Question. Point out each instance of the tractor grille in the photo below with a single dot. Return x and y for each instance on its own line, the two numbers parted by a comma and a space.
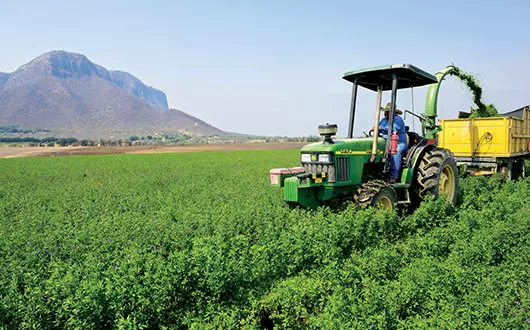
317, 168
343, 169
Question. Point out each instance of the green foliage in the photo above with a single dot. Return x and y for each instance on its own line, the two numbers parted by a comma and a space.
482, 110
66, 141
201, 241
312, 138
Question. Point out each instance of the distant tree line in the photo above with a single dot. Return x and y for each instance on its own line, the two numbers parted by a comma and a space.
147, 140
50, 141
28, 139
293, 139
63, 142
71, 141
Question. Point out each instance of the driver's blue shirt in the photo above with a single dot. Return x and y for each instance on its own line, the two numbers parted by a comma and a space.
399, 127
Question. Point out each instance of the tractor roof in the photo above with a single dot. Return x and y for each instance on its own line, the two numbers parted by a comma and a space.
408, 76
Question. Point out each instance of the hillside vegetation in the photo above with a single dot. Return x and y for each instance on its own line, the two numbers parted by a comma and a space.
201, 241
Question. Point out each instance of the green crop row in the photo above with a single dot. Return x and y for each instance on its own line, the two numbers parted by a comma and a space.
200, 240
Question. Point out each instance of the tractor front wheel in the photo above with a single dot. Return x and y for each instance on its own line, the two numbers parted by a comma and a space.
437, 175
376, 193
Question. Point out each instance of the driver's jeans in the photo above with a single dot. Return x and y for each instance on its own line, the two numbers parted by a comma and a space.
395, 160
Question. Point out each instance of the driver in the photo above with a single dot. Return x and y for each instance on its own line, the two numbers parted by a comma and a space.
402, 147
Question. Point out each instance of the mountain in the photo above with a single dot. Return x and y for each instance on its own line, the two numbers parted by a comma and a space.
137, 88
68, 94
3, 79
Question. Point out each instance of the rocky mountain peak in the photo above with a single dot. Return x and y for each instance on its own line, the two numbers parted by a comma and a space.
66, 65
61, 64
136, 87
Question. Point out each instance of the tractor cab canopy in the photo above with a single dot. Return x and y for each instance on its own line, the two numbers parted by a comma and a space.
390, 77
407, 76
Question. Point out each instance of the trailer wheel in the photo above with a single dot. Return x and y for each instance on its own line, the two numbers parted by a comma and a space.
376, 193
437, 175
512, 169
518, 169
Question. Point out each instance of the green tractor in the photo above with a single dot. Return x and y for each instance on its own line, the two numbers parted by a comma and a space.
357, 169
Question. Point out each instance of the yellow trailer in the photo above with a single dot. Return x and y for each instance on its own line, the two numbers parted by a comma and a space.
489, 145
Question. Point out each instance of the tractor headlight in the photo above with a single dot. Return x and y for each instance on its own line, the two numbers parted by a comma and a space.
313, 158
324, 158
306, 158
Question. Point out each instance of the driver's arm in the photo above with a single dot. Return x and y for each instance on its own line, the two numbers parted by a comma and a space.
399, 124
383, 126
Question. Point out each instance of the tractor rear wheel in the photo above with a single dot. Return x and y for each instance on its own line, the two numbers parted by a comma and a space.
376, 193
437, 175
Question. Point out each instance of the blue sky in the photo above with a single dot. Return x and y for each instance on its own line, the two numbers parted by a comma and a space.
275, 67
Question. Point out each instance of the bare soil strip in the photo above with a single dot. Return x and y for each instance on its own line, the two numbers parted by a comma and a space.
18, 152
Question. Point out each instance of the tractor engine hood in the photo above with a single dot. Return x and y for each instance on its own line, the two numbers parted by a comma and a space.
359, 146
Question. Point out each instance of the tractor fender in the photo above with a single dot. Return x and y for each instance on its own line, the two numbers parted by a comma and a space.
415, 155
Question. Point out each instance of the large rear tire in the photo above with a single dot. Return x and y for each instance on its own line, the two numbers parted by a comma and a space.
437, 175
376, 193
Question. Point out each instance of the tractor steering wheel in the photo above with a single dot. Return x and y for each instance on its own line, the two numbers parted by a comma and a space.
371, 133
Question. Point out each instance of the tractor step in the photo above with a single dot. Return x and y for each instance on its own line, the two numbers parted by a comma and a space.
401, 185
402, 192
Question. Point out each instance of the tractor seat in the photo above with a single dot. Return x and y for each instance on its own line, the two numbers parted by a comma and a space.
412, 139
